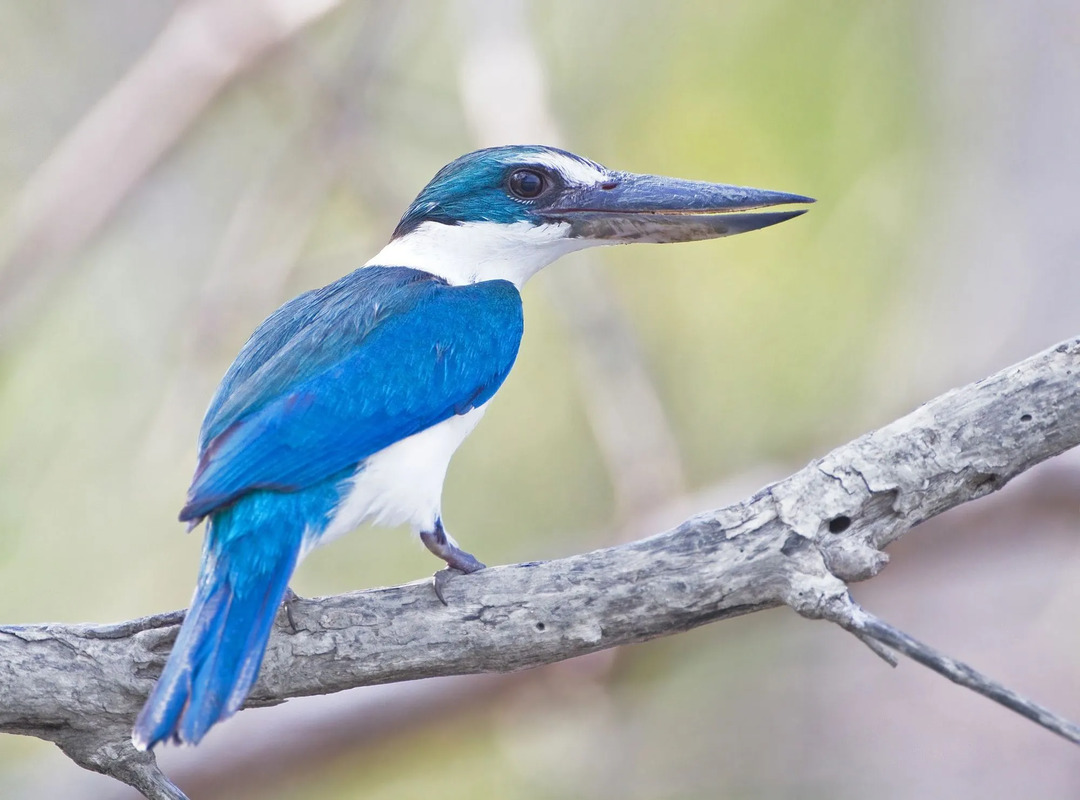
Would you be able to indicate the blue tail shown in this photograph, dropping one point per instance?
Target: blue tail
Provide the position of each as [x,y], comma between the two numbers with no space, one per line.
[250,552]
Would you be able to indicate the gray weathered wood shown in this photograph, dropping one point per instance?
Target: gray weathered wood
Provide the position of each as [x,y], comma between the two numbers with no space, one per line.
[797,542]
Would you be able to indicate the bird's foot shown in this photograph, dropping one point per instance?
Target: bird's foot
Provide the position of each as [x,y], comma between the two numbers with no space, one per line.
[458,562]
[290,598]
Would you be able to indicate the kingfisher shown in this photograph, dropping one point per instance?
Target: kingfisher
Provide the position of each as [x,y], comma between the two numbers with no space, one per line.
[347,403]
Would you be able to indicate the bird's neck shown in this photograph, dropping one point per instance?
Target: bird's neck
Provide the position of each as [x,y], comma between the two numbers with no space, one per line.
[471,252]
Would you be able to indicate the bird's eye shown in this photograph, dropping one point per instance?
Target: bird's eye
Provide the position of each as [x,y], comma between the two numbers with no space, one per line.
[526,184]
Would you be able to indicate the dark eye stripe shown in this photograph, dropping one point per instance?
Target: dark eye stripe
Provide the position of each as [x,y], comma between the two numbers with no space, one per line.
[526,184]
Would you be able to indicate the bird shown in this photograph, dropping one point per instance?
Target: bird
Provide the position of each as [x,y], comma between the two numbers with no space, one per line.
[346,404]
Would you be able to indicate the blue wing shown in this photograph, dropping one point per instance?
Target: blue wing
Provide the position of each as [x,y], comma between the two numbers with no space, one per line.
[342,372]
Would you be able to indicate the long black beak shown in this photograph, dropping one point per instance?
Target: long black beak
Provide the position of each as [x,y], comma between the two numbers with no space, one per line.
[651,208]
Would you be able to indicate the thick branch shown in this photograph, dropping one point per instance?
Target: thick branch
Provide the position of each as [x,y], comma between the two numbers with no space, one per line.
[795,542]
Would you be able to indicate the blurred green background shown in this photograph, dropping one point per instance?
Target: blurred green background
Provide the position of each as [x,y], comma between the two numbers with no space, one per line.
[171,172]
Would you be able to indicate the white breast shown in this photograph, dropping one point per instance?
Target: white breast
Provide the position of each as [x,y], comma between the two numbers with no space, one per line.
[480,251]
[401,483]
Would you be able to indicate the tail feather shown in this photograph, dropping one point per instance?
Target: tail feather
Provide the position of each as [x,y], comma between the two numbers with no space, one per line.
[219,650]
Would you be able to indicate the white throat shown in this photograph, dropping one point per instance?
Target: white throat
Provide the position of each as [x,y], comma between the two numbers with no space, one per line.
[479,251]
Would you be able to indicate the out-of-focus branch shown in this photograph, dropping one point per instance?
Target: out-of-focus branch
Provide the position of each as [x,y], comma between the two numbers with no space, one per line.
[205,44]
[796,542]
[265,236]
[505,99]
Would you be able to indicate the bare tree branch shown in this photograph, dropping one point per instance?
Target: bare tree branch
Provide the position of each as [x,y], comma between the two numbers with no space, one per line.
[202,48]
[795,542]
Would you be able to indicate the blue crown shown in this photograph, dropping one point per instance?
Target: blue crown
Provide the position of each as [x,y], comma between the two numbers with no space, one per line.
[473,188]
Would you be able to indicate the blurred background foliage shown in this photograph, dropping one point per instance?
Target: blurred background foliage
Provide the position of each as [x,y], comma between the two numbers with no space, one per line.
[171,172]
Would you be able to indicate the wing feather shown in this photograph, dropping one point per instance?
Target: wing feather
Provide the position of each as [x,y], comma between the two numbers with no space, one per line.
[345,373]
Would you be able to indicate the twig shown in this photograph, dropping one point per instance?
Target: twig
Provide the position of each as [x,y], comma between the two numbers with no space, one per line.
[878,649]
[865,625]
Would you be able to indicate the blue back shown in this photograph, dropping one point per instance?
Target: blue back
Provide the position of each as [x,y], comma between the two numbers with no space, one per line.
[341,372]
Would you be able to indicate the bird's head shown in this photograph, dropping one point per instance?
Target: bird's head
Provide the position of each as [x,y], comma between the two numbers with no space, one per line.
[506,212]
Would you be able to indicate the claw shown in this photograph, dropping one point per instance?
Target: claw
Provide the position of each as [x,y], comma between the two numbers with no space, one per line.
[290,598]
[440,579]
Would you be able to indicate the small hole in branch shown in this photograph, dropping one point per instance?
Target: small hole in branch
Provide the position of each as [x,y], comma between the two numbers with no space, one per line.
[540,626]
[839,524]
[1026,418]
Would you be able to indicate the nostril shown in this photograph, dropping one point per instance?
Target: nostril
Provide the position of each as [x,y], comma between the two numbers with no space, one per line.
[607,187]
